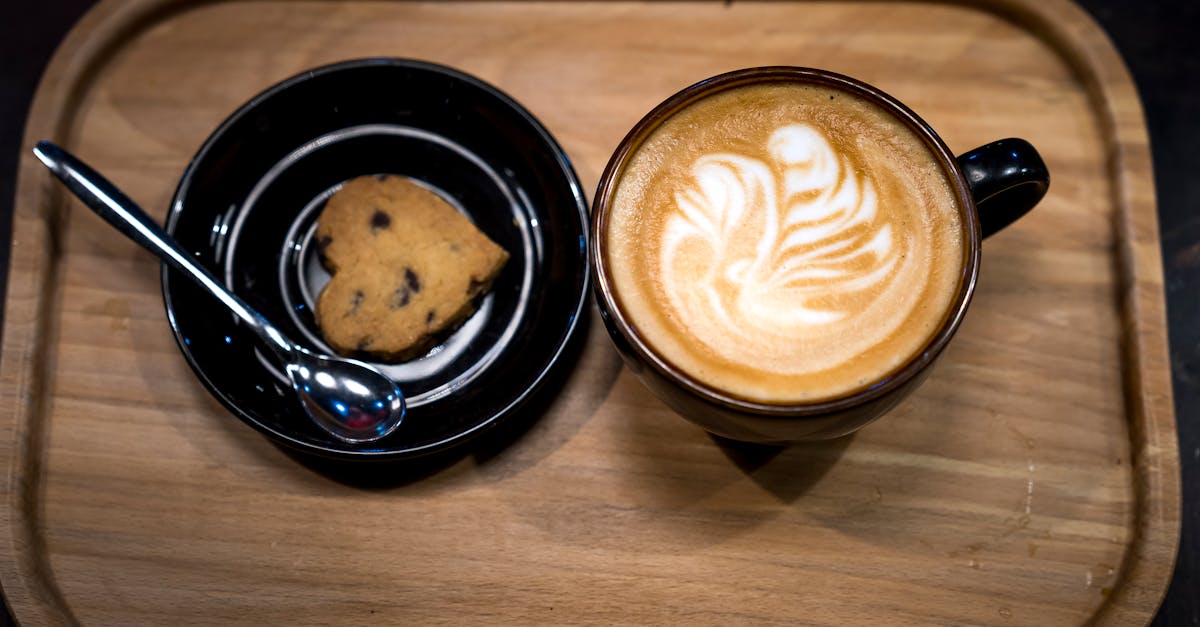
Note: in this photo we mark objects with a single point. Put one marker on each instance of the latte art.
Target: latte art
(782, 248)
(779, 242)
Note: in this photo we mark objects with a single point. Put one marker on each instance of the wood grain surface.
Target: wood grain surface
(1032, 480)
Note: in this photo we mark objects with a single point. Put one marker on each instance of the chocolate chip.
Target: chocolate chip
(380, 220)
(429, 317)
(365, 343)
(323, 242)
(382, 177)
(403, 294)
(401, 297)
(411, 280)
(455, 247)
(358, 299)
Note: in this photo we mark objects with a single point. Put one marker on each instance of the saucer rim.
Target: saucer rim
(494, 415)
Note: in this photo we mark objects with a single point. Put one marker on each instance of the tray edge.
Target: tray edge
(1148, 566)
(26, 577)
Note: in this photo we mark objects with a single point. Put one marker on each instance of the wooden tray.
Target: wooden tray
(1032, 480)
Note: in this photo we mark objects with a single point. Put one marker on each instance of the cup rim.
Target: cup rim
(880, 387)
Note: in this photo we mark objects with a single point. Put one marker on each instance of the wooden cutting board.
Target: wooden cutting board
(1032, 480)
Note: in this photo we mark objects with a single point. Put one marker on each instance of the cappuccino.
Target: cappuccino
(784, 242)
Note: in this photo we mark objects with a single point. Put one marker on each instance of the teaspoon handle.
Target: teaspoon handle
(117, 209)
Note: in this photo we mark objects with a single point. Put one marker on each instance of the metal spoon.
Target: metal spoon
(351, 400)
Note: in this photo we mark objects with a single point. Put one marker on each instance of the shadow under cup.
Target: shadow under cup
(993, 185)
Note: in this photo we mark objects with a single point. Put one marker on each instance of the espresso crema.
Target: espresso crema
(784, 242)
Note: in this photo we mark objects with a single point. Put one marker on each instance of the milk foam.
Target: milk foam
(777, 238)
(785, 258)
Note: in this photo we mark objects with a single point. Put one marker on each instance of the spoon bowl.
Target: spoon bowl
(351, 400)
(334, 393)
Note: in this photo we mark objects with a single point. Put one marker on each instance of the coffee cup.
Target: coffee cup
(781, 253)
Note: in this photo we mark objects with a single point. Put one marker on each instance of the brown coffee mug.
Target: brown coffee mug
(981, 191)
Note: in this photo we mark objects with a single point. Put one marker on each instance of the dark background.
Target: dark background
(1157, 40)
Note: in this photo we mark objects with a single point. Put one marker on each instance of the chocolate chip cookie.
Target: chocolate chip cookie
(407, 268)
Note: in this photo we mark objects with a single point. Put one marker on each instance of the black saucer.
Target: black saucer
(247, 206)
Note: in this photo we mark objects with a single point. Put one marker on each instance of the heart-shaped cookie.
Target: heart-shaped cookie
(407, 268)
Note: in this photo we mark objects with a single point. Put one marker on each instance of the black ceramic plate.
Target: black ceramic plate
(247, 207)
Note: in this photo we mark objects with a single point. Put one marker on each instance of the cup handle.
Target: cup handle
(1007, 178)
